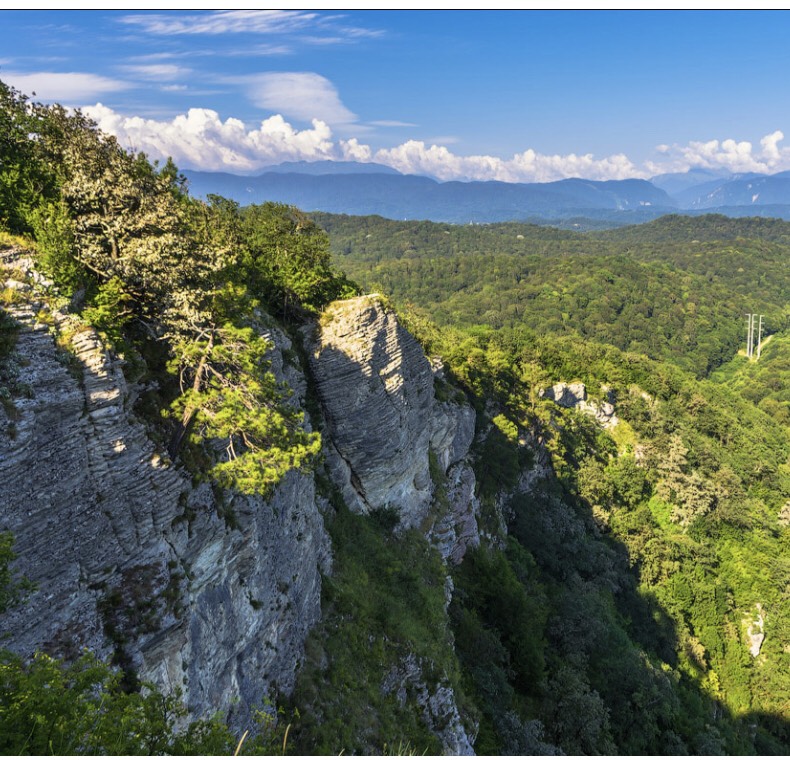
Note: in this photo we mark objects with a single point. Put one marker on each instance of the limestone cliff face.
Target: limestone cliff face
(384, 428)
(377, 391)
(128, 557)
(214, 592)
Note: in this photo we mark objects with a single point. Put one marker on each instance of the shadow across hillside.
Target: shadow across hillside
(619, 677)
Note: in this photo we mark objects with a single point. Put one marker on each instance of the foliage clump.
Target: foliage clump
(185, 284)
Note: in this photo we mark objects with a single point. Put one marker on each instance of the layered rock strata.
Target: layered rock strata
(195, 588)
(212, 594)
(376, 389)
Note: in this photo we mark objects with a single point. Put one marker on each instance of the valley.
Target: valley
(325, 483)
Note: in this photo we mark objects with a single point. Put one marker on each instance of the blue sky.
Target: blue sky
(519, 96)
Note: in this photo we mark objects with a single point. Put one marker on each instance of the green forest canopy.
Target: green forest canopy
(616, 618)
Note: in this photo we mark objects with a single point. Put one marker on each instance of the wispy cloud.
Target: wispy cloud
(222, 22)
(391, 123)
(161, 56)
(443, 140)
(254, 51)
(299, 95)
(269, 22)
(160, 72)
(64, 87)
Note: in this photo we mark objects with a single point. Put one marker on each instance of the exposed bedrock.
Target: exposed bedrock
(128, 556)
(376, 390)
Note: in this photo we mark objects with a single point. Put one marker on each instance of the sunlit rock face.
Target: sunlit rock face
(194, 588)
(130, 558)
(375, 386)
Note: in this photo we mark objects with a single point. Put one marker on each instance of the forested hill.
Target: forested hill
(693, 480)
(679, 295)
(557, 521)
(674, 228)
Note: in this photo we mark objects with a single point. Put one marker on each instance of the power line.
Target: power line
(752, 324)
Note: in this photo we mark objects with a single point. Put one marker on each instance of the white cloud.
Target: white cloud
(161, 72)
(299, 95)
(353, 150)
(269, 22)
(729, 155)
(391, 123)
(415, 157)
(223, 22)
(259, 50)
(63, 87)
(199, 139)
(770, 145)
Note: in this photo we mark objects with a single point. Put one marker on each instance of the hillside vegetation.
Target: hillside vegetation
(689, 491)
(624, 569)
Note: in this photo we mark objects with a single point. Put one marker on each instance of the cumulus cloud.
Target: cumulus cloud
(730, 155)
(200, 139)
(63, 87)
(415, 157)
(299, 95)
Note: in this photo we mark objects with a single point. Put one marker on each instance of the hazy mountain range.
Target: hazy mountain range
(346, 187)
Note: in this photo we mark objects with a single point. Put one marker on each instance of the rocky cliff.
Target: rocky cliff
(186, 585)
(384, 423)
(210, 592)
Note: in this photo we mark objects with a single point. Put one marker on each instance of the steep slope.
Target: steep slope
(190, 586)
(131, 559)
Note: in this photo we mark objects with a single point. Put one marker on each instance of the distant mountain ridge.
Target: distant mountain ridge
(348, 187)
(316, 168)
(399, 196)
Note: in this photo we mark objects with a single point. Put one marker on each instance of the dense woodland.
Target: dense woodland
(608, 610)
(648, 556)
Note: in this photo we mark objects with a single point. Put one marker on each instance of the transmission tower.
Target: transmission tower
(753, 324)
(760, 338)
(748, 335)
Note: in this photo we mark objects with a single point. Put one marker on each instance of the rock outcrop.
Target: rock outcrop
(440, 712)
(574, 396)
(376, 389)
(195, 588)
(755, 631)
(129, 558)
(457, 528)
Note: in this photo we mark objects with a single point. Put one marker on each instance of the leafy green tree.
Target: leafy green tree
(24, 178)
(576, 716)
(287, 259)
(53, 228)
(49, 707)
(228, 394)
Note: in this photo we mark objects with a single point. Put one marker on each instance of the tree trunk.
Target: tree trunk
(180, 433)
